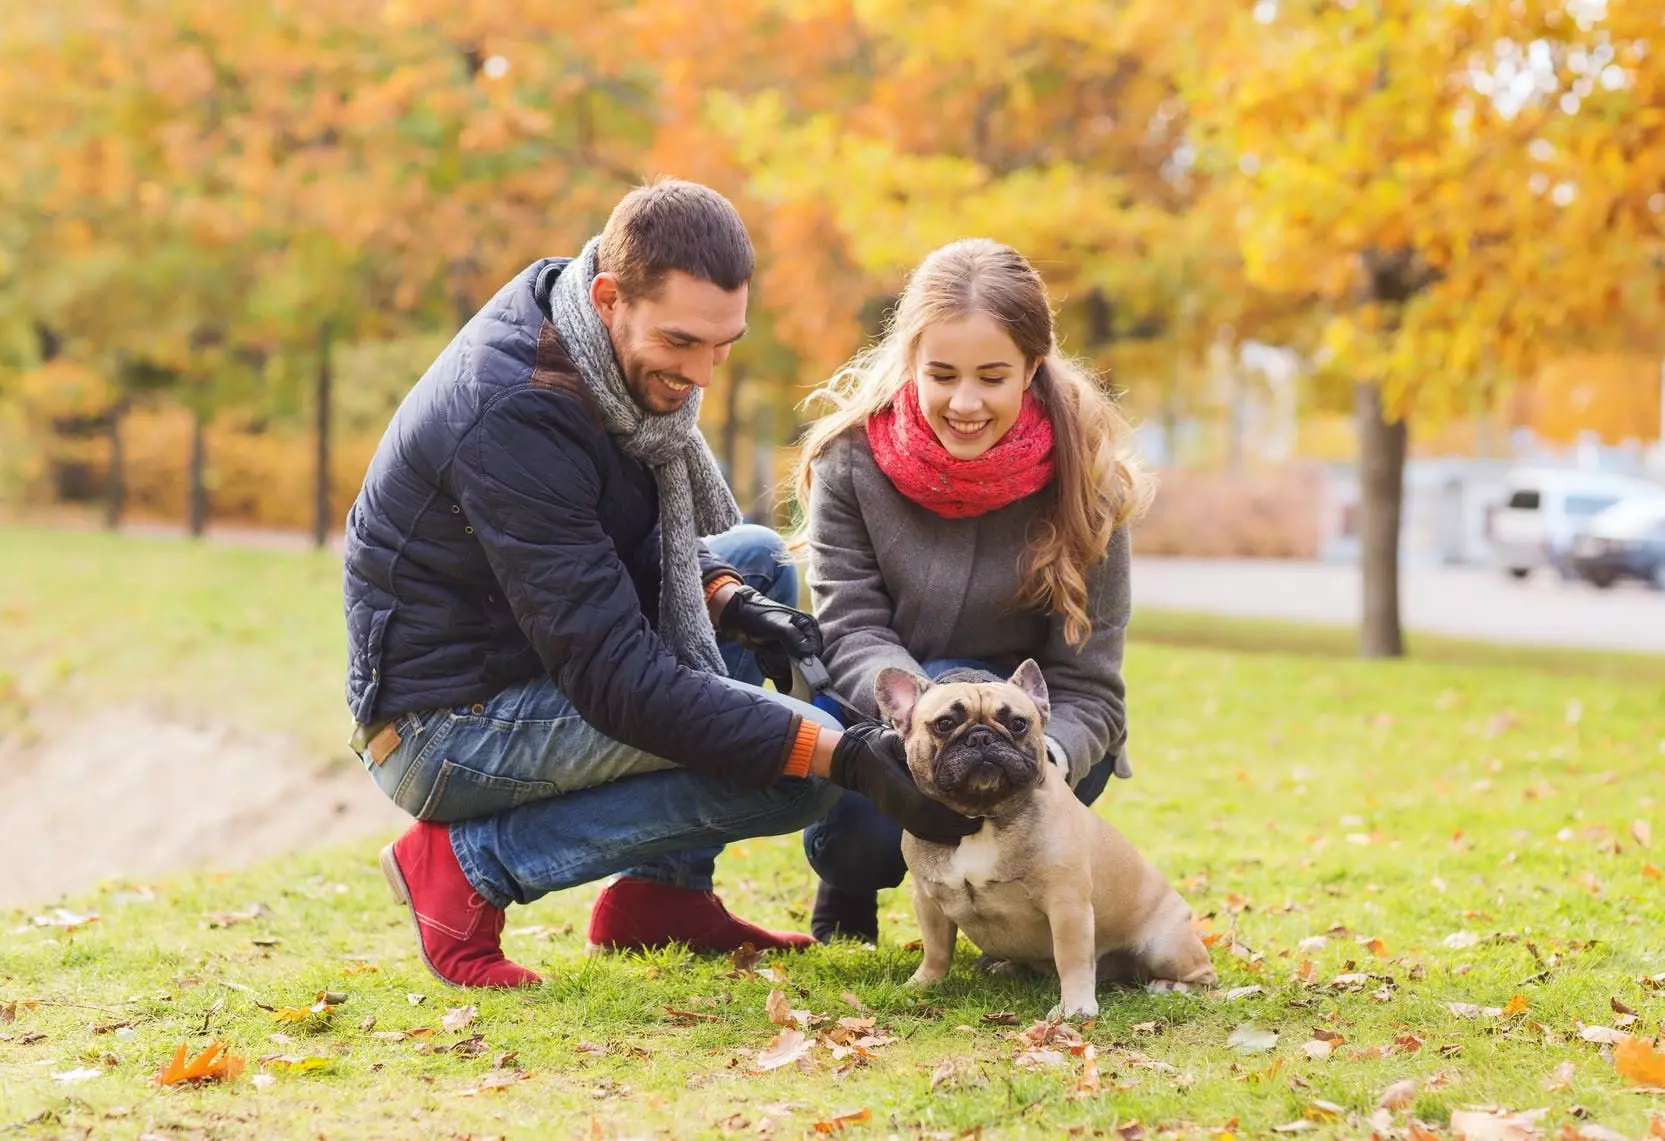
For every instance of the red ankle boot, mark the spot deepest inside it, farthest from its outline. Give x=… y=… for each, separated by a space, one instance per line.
x=459 y=933
x=632 y=914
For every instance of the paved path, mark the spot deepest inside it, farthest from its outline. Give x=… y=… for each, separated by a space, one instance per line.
x=1459 y=601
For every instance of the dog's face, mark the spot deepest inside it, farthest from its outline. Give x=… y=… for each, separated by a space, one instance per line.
x=971 y=744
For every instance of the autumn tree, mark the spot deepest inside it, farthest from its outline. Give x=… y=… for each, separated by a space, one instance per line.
x=1467 y=187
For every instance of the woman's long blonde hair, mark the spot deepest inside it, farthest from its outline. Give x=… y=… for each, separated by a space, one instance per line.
x=1097 y=484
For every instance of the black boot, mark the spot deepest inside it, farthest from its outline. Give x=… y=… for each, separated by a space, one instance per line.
x=843 y=914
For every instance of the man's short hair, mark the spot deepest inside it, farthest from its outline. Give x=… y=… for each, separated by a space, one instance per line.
x=675 y=225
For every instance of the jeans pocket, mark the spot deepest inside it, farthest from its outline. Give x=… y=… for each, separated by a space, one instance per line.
x=461 y=793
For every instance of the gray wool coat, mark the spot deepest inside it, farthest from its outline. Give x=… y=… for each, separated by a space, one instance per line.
x=896 y=585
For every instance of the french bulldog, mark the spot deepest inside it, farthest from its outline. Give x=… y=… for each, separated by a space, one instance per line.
x=1046 y=883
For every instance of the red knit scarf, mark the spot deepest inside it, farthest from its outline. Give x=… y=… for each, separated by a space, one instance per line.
x=908 y=451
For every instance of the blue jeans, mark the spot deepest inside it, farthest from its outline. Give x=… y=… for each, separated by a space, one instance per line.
x=857 y=848
x=539 y=800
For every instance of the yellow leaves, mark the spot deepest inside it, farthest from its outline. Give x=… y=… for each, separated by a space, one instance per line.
x=1637 y=1060
x=214 y=1064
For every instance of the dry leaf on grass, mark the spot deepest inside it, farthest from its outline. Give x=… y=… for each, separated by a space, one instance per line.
x=1590 y=1131
x=76 y=1077
x=1559 y=1078
x=1239 y=992
x=1317 y=1049
x=1637 y=1060
x=783 y=1049
x=854 y=1000
x=1250 y=1039
x=458 y=1017
x=1399 y=1095
x=743 y=962
x=1516 y=1005
x=1602 y=1035
x=1642 y=832
x=295 y=1063
x=1000 y=1018
x=496 y=1081
x=690 y=1015
x=837 y=1124
x=1408 y=1043
x=214 y=1064
x=1495 y=1124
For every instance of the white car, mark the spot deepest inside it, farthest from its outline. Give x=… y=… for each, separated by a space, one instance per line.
x=1544 y=509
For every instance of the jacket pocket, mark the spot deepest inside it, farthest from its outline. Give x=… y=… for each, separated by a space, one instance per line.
x=462 y=793
x=365 y=667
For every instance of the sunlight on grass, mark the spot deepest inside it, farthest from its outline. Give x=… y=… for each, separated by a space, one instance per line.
x=1445 y=871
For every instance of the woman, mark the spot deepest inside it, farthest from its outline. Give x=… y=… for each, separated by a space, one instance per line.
x=968 y=496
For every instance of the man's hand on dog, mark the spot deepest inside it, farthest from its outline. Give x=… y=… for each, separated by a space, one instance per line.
x=871 y=759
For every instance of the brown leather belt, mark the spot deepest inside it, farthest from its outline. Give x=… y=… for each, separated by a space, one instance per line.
x=377 y=739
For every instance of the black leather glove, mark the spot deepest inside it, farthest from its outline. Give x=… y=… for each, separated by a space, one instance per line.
x=776 y=634
x=871 y=759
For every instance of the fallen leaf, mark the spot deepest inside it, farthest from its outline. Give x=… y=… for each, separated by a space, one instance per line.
x=1143 y=1027
x=742 y=962
x=784 y=1049
x=778 y=1009
x=213 y=1064
x=458 y=1017
x=1620 y=1008
x=1399 y=1095
x=691 y=1015
x=1087 y=1083
x=1642 y=832
x=1495 y=1124
x=1250 y=1039
x=1131 y=1131
x=1516 y=1005
x=262 y=1081
x=1238 y=992
x=1602 y=1035
x=1590 y=1131
x=76 y=1077
x=837 y=1124
x=590 y=1048
x=296 y=1063
x=1377 y=947
x=1329 y=1036
x=1408 y=1043
x=1656 y=1127
x=1040 y=1056
x=416 y=999
x=854 y=1001
x=1469 y=1010
x=1317 y=1049
x=949 y=1072
x=1312 y=944
x=1416 y=1131
x=1560 y=1078
x=8 y=1013
x=1000 y=1018
x=1322 y=1111
x=67 y=920
x=1649 y=872
x=1288 y=1127
x=1636 y=1059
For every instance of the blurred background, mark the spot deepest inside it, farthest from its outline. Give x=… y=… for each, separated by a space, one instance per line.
x=1382 y=281
x=232 y=234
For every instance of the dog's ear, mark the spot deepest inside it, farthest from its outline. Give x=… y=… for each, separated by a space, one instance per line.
x=1028 y=678
x=896 y=692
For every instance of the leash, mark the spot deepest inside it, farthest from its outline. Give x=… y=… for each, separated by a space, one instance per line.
x=811 y=674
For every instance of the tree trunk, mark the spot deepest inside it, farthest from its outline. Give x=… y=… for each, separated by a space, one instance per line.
x=115 y=473
x=321 y=507
x=196 y=497
x=731 y=426
x=1381 y=500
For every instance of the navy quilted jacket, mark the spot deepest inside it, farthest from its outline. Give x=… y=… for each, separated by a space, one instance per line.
x=501 y=533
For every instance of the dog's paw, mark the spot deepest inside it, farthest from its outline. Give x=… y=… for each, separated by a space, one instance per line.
x=1083 y=1010
x=1163 y=986
x=922 y=980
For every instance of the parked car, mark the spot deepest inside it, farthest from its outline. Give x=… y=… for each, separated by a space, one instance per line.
x=1544 y=509
x=1625 y=541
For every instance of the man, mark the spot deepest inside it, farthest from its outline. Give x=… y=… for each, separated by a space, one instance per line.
x=548 y=666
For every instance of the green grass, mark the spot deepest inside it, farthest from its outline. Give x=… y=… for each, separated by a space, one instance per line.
x=1290 y=794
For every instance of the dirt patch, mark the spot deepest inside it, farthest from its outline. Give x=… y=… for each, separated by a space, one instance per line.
x=126 y=794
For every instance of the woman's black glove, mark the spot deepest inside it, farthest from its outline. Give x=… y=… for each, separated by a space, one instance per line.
x=871 y=759
x=776 y=634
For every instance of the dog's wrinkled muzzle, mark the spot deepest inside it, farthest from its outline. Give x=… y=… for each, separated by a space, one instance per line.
x=983 y=768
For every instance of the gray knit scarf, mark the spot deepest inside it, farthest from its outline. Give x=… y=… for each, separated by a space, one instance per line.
x=693 y=499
